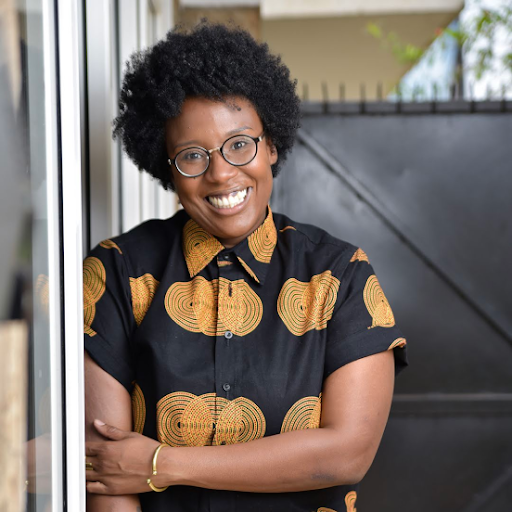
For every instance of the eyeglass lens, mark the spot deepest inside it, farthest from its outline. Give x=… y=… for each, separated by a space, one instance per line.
x=238 y=150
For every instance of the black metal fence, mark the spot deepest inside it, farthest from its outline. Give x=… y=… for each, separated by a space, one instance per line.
x=426 y=190
x=456 y=106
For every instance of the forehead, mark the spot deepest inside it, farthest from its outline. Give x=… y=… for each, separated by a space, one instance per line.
x=204 y=119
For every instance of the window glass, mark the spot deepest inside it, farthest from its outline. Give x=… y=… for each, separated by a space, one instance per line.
x=39 y=143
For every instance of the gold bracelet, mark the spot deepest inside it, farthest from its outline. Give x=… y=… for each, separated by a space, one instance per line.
x=154 y=487
x=154 y=472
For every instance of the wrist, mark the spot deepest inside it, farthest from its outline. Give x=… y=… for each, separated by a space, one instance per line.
x=164 y=476
x=157 y=479
x=169 y=472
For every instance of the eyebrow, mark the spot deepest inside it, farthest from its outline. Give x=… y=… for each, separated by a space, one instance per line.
x=229 y=134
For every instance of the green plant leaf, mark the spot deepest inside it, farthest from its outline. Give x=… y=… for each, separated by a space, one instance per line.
x=374 y=30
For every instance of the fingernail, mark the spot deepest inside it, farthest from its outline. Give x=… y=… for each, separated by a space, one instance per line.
x=99 y=423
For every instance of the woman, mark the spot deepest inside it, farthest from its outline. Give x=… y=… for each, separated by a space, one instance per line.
x=253 y=357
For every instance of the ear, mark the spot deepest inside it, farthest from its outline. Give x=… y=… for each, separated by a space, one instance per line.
x=272 y=152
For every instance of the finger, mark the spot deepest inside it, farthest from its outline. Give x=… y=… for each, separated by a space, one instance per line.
x=91 y=466
x=109 y=431
x=91 y=475
x=91 y=449
x=96 y=488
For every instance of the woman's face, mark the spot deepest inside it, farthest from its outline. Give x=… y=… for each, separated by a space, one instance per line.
x=208 y=124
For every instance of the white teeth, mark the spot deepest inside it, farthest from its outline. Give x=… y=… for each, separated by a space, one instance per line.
x=229 y=201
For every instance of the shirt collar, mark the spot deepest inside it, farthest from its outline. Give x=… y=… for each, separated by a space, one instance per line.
x=254 y=253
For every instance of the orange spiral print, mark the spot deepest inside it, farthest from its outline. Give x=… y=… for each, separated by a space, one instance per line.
x=240 y=308
x=213 y=307
x=240 y=421
x=325 y=509
x=138 y=409
x=377 y=304
x=193 y=305
x=143 y=290
x=399 y=342
x=263 y=241
x=359 y=255
x=95 y=278
x=197 y=421
x=109 y=244
x=350 y=501
x=199 y=247
x=303 y=414
x=306 y=306
x=184 y=419
x=248 y=269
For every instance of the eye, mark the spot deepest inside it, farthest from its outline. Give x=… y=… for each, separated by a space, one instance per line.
x=239 y=144
x=192 y=155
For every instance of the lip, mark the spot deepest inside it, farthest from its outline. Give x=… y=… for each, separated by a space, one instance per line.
x=227 y=192
x=235 y=209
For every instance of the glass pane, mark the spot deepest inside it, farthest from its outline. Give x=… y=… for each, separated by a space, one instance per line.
x=38 y=121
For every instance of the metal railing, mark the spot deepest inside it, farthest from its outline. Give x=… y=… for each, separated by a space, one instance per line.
x=402 y=102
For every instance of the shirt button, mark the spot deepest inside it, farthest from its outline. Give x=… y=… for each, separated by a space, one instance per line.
x=224 y=257
x=228 y=335
x=226 y=387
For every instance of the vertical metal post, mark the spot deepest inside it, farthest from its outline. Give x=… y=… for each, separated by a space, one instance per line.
x=53 y=213
x=342 y=91
x=102 y=98
x=70 y=21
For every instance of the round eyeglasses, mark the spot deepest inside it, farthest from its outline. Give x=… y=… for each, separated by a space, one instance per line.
x=237 y=150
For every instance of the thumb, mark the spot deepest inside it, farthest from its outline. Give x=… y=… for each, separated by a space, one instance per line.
x=109 y=431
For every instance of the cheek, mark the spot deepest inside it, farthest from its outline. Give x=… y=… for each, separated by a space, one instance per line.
x=267 y=183
x=184 y=191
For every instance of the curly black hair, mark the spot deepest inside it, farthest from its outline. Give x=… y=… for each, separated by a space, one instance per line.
x=212 y=61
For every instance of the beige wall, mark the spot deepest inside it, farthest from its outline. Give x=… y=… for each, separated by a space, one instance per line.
x=337 y=50
x=334 y=49
x=312 y=8
x=246 y=17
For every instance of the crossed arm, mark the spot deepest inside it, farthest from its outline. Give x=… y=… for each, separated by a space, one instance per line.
x=355 y=406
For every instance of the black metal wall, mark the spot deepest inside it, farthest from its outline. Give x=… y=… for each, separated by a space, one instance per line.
x=429 y=198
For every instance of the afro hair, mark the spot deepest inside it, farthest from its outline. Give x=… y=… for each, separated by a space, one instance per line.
x=211 y=61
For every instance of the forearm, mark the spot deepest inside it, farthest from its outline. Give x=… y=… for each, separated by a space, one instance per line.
x=118 y=411
x=295 y=461
x=355 y=406
x=97 y=503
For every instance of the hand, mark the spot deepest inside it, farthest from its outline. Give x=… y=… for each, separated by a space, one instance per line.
x=122 y=463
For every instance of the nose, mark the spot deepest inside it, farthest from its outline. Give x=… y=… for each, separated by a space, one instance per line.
x=219 y=169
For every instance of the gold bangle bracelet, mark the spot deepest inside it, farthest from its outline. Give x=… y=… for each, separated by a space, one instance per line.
x=155 y=457
x=154 y=471
x=154 y=487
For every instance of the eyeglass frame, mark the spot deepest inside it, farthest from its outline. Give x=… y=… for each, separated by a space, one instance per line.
x=172 y=161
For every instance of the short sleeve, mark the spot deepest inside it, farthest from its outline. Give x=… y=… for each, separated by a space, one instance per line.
x=363 y=322
x=108 y=316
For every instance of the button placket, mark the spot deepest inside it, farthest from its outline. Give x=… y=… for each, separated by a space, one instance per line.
x=224 y=351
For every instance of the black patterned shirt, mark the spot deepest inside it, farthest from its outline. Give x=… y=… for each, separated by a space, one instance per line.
x=220 y=346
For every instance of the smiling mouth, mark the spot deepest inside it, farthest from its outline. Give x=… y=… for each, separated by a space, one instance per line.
x=229 y=200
